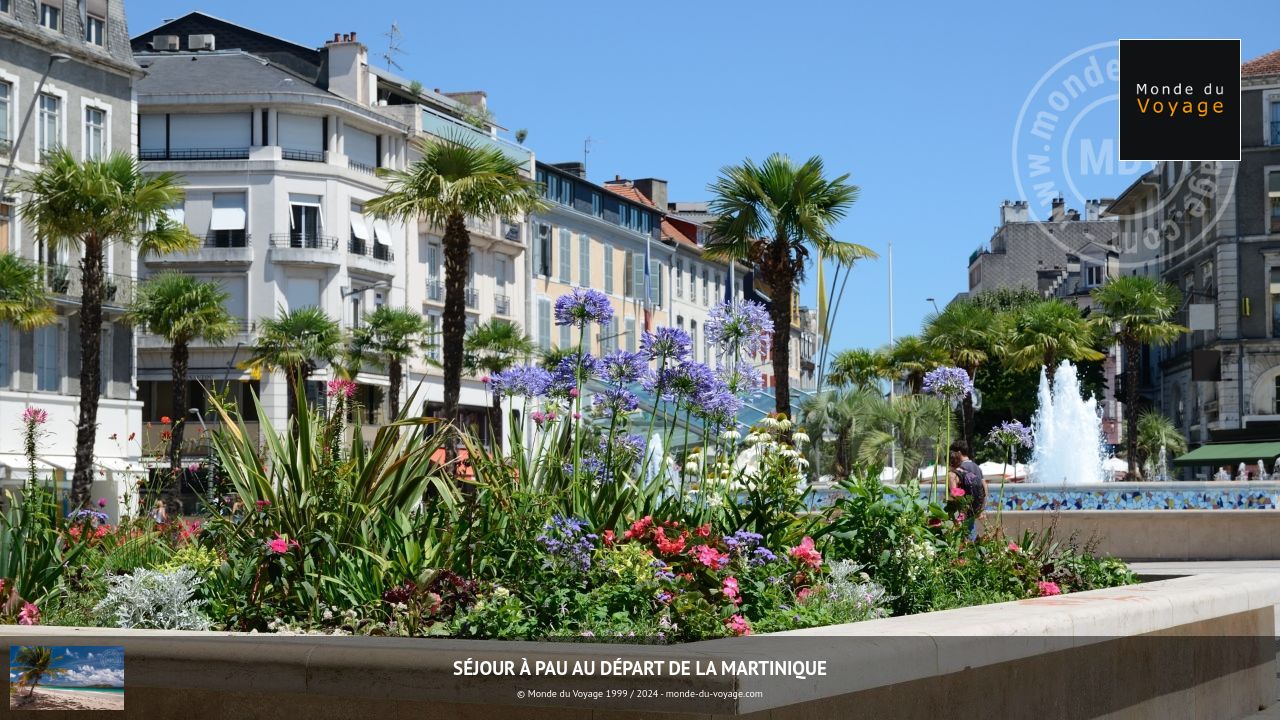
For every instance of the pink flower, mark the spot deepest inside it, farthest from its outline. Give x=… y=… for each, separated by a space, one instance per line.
x=341 y=387
x=262 y=503
x=573 y=392
x=102 y=502
x=485 y=379
x=960 y=517
x=1048 y=588
x=35 y=416
x=710 y=557
x=1013 y=547
x=193 y=468
x=538 y=416
x=738 y=625
x=731 y=590
x=804 y=594
x=577 y=416
x=279 y=545
x=957 y=492
x=165 y=420
x=29 y=615
x=807 y=554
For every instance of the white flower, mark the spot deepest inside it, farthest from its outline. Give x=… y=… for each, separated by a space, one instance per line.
x=800 y=438
x=730 y=436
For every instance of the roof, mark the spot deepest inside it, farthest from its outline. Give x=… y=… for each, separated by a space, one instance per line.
x=220 y=72
x=1230 y=453
x=1268 y=64
x=670 y=230
x=629 y=192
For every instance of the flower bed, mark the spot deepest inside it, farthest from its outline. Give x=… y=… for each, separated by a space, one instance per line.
x=592 y=527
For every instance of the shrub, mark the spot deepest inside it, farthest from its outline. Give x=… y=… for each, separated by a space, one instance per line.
x=153 y=600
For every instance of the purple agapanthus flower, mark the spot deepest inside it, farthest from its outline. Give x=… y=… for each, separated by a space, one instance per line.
x=529 y=381
x=583 y=306
x=742 y=326
x=573 y=372
x=951 y=383
x=685 y=381
x=743 y=380
x=629 y=446
x=615 y=400
x=622 y=367
x=565 y=539
x=666 y=345
x=1010 y=433
x=717 y=407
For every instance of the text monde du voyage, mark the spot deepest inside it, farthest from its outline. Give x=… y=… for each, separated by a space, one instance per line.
x=1180 y=99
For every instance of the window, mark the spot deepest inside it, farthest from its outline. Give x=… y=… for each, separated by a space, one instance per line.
x=655 y=282
x=51 y=15
x=542 y=252
x=95 y=133
x=48 y=368
x=566 y=245
x=1275 y=122
x=558 y=189
x=597 y=208
x=433 y=336
x=586 y=338
x=4 y=6
x=566 y=337
x=705 y=294
x=584 y=261
x=1206 y=276
x=634 y=281
x=500 y=273
x=95 y=22
x=6 y=213
x=693 y=337
x=6 y=98
x=1275 y=302
x=1276 y=409
x=50 y=125
x=1093 y=275
x=356 y=315
x=1273 y=198
x=228 y=222
x=719 y=289
x=544 y=324
x=679 y=278
x=305 y=221
x=104 y=363
x=631 y=334
x=608 y=269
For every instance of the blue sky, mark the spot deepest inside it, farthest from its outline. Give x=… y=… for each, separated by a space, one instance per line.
x=85 y=665
x=918 y=102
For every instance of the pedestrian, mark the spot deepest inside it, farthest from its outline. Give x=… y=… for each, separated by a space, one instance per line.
x=159 y=515
x=966 y=476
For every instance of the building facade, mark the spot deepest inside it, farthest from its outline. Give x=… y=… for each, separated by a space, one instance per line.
x=1213 y=230
x=66 y=81
x=279 y=145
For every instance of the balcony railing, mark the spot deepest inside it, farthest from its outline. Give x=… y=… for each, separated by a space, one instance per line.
x=65 y=282
x=304 y=155
x=226 y=239
x=501 y=305
x=375 y=250
x=309 y=241
x=360 y=167
x=241 y=153
x=1275 y=132
x=435 y=291
x=473 y=298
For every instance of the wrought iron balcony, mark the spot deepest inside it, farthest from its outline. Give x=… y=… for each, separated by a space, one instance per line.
x=473 y=298
x=65 y=283
x=241 y=153
x=360 y=167
x=375 y=250
x=304 y=155
x=226 y=239
x=501 y=305
x=435 y=291
x=310 y=241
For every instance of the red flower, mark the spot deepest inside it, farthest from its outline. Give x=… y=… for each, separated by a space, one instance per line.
x=608 y=538
x=1047 y=588
x=957 y=492
x=132 y=435
x=710 y=557
x=934 y=522
x=805 y=553
x=639 y=528
x=165 y=420
x=1013 y=547
x=673 y=546
x=279 y=545
x=704 y=531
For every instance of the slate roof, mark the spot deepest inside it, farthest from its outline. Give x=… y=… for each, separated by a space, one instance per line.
x=230 y=72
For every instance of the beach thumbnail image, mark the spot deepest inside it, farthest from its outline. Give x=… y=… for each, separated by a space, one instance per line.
x=66 y=677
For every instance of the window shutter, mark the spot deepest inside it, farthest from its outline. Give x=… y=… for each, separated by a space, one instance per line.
x=637 y=281
x=655 y=287
x=631 y=334
x=544 y=323
x=566 y=338
x=627 y=276
x=584 y=260
x=566 y=245
x=586 y=338
x=608 y=269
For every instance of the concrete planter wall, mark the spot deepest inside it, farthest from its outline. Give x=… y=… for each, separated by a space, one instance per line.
x=1158 y=534
x=1199 y=646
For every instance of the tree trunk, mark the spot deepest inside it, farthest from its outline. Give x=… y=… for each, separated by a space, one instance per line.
x=1050 y=367
x=291 y=395
x=1131 y=407
x=90 y=369
x=457 y=250
x=780 y=283
x=179 y=357
x=394 y=371
x=495 y=423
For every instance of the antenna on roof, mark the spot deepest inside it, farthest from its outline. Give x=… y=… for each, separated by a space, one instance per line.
x=393 y=37
x=586 y=148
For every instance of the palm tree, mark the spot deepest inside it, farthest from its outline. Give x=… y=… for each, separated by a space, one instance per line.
x=1156 y=431
x=839 y=419
x=452 y=180
x=90 y=207
x=1045 y=334
x=22 y=298
x=909 y=427
x=1138 y=311
x=296 y=342
x=491 y=348
x=911 y=357
x=858 y=368
x=394 y=334
x=33 y=663
x=964 y=332
x=770 y=215
x=181 y=308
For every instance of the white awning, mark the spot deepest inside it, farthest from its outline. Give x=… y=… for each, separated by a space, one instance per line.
x=119 y=465
x=177 y=214
x=19 y=462
x=228 y=212
x=62 y=462
x=371 y=379
x=358 y=227
x=382 y=231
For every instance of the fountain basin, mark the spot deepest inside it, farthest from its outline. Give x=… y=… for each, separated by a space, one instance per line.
x=1111 y=496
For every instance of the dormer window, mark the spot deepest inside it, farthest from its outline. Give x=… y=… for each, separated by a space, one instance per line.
x=51 y=14
x=95 y=22
x=1094 y=275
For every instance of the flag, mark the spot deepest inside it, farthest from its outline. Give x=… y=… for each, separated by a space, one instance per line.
x=822 y=301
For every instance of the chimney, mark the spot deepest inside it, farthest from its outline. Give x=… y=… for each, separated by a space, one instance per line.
x=348 y=63
x=1012 y=212
x=654 y=189
x=1059 y=210
x=577 y=168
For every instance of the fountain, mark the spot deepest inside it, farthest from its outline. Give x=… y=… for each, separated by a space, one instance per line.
x=1262 y=471
x=1068 y=433
x=1240 y=473
x=1162 y=470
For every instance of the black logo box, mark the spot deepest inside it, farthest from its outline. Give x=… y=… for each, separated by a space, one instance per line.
x=1187 y=68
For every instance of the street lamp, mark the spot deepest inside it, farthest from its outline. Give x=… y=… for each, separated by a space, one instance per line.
x=935 y=305
x=54 y=58
x=380 y=285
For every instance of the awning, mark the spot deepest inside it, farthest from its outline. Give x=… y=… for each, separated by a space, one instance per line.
x=358 y=228
x=382 y=231
x=62 y=462
x=1230 y=453
x=228 y=212
x=119 y=465
x=177 y=214
x=19 y=462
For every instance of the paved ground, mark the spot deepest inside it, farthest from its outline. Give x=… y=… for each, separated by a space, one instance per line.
x=1236 y=566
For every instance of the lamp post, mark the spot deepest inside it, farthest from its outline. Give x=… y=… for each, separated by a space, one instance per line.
x=935 y=305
